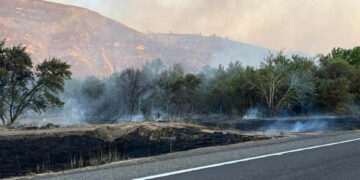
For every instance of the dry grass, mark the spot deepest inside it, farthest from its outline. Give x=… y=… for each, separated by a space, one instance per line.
x=105 y=157
x=107 y=132
x=4 y=128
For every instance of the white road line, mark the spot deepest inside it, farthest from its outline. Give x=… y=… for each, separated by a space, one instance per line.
x=243 y=160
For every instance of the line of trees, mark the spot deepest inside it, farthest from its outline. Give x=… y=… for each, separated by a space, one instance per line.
x=280 y=85
x=294 y=85
x=152 y=92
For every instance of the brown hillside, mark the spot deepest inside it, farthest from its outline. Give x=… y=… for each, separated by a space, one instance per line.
x=97 y=45
x=91 y=43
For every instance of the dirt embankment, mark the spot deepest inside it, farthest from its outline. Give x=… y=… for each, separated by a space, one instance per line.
x=33 y=151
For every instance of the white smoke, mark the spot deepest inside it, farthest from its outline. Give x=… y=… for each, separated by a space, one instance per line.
x=297 y=126
x=310 y=126
x=252 y=113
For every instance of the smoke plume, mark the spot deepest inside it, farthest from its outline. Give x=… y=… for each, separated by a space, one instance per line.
x=302 y=25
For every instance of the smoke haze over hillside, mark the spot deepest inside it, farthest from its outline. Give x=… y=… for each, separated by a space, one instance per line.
x=96 y=45
x=301 y=25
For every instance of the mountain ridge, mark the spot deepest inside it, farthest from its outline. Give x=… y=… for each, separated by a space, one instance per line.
x=96 y=45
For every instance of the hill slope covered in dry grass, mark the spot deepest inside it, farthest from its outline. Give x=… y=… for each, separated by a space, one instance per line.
x=97 y=45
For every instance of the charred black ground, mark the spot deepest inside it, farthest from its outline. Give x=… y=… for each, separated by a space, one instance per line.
x=56 y=149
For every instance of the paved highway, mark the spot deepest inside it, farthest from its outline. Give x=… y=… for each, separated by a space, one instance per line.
x=313 y=156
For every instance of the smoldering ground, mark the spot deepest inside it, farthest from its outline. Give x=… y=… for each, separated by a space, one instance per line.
x=295 y=126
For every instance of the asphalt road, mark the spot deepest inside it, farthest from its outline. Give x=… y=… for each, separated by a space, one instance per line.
x=318 y=156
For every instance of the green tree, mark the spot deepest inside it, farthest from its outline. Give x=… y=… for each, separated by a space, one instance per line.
x=184 y=93
x=133 y=84
x=351 y=56
x=282 y=83
x=241 y=93
x=151 y=102
x=333 y=95
x=217 y=96
x=97 y=101
x=23 y=87
x=334 y=84
x=164 y=85
x=355 y=84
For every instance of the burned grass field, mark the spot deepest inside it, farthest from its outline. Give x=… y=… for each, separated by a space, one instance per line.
x=48 y=149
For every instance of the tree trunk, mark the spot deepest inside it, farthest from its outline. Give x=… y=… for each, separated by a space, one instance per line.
x=12 y=120
x=3 y=120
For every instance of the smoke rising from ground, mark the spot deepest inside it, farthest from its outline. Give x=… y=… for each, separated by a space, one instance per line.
x=309 y=124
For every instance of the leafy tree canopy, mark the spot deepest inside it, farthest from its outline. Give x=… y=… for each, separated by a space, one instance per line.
x=24 y=87
x=351 y=56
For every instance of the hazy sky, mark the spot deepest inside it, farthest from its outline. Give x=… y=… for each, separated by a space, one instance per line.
x=310 y=26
